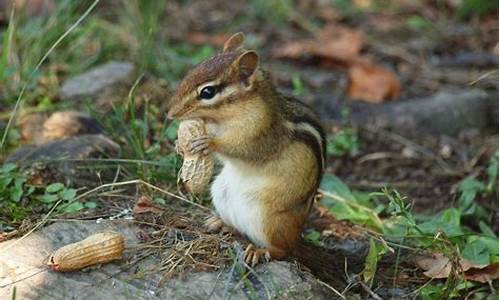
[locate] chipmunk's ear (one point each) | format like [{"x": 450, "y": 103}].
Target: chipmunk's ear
[
  {"x": 247, "y": 64},
  {"x": 234, "y": 42}
]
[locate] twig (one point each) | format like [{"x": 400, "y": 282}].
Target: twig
[
  {"x": 483, "y": 76},
  {"x": 331, "y": 288},
  {"x": 40, "y": 223},
  {"x": 136, "y": 181},
  {"x": 408, "y": 143},
  {"x": 22, "y": 279},
  {"x": 369, "y": 291}
]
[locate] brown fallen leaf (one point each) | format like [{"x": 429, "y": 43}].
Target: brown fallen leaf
[
  {"x": 436, "y": 265},
  {"x": 145, "y": 205},
  {"x": 334, "y": 43},
  {"x": 340, "y": 46},
  {"x": 372, "y": 83},
  {"x": 483, "y": 275}
]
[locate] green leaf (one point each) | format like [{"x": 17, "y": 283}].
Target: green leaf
[
  {"x": 73, "y": 207},
  {"x": 485, "y": 229},
  {"x": 313, "y": 236},
  {"x": 49, "y": 198},
  {"x": 374, "y": 253},
  {"x": 54, "y": 187},
  {"x": 159, "y": 201},
  {"x": 336, "y": 186},
  {"x": 342, "y": 143},
  {"x": 448, "y": 222},
  {"x": 171, "y": 130},
  {"x": 297, "y": 85},
  {"x": 432, "y": 292},
  {"x": 16, "y": 193},
  {"x": 90, "y": 204},
  {"x": 492, "y": 173},
  {"x": 418, "y": 23},
  {"x": 67, "y": 194},
  {"x": 344, "y": 211},
  {"x": 469, "y": 188},
  {"x": 8, "y": 167},
  {"x": 5, "y": 182},
  {"x": 346, "y": 206},
  {"x": 481, "y": 249}
]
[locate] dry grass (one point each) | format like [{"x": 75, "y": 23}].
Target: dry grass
[{"x": 178, "y": 239}]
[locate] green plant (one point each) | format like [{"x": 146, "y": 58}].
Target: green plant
[
  {"x": 375, "y": 253},
  {"x": 277, "y": 11},
  {"x": 478, "y": 7},
  {"x": 58, "y": 194},
  {"x": 470, "y": 189},
  {"x": 417, "y": 22},
  {"x": 343, "y": 142},
  {"x": 313, "y": 236},
  {"x": 395, "y": 223},
  {"x": 143, "y": 132},
  {"x": 12, "y": 191},
  {"x": 346, "y": 205},
  {"x": 298, "y": 86}
]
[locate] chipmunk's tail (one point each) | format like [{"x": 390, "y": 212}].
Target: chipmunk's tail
[{"x": 327, "y": 265}]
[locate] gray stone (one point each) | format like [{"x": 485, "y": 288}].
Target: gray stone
[
  {"x": 22, "y": 266},
  {"x": 445, "y": 113},
  {"x": 68, "y": 160},
  {"x": 78, "y": 147},
  {"x": 99, "y": 82}
]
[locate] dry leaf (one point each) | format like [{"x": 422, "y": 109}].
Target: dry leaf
[
  {"x": 372, "y": 83},
  {"x": 145, "y": 205},
  {"x": 437, "y": 265},
  {"x": 338, "y": 44},
  {"x": 483, "y": 275}
]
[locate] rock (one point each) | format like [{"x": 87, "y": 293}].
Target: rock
[
  {"x": 100, "y": 83},
  {"x": 445, "y": 113},
  {"x": 466, "y": 60},
  {"x": 22, "y": 266},
  {"x": 66, "y": 160}
]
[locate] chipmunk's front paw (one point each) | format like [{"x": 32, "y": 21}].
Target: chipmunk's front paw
[
  {"x": 201, "y": 144},
  {"x": 253, "y": 255}
]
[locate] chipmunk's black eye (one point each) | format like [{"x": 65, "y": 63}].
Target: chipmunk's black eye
[{"x": 208, "y": 92}]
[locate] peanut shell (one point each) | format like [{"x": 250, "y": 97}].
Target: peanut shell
[
  {"x": 96, "y": 249},
  {"x": 197, "y": 169}
]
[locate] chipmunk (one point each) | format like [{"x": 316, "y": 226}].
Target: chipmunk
[{"x": 272, "y": 149}]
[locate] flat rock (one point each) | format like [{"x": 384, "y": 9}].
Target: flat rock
[
  {"x": 67, "y": 160},
  {"x": 445, "y": 113},
  {"x": 98, "y": 83},
  {"x": 23, "y": 267}
]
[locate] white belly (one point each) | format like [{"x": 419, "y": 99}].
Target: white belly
[{"x": 234, "y": 194}]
